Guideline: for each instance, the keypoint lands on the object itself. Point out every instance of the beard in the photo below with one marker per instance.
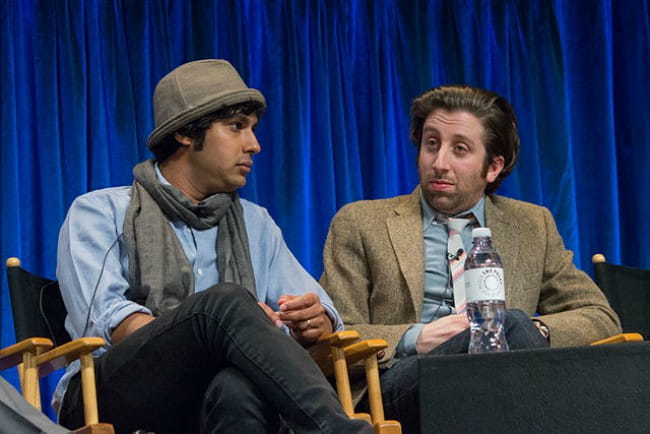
(446, 203)
(450, 203)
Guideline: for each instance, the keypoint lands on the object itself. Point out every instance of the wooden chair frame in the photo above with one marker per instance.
(37, 357)
(333, 353)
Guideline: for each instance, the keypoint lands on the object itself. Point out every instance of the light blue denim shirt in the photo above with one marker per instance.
(438, 292)
(92, 265)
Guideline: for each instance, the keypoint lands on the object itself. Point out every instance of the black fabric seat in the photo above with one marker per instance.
(30, 294)
(39, 314)
(628, 291)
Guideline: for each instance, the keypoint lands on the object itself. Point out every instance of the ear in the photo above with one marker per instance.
(183, 140)
(494, 168)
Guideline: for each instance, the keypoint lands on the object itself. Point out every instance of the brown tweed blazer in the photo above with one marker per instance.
(374, 270)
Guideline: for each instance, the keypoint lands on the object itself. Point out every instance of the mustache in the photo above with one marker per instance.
(441, 179)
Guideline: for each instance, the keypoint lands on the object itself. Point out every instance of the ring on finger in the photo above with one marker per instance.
(309, 323)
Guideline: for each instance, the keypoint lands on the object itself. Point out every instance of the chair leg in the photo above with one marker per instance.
(342, 380)
(29, 380)
(88, 389)
(343, 384)
(374, 389)
(380, 425)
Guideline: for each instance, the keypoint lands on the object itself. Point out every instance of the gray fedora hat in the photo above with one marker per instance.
(196, 89)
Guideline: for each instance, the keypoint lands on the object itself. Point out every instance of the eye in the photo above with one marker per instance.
(432, 143)
(460, 148)
(237, 125)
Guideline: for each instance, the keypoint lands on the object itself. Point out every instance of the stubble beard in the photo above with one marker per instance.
(445, 203)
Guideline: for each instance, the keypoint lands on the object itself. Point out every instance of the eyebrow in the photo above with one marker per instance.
(250, 118)
(455, 137)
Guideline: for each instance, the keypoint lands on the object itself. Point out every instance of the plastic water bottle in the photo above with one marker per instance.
(485, 292)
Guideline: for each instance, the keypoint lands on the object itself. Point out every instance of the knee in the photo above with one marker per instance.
(522, 332)
(517, 316)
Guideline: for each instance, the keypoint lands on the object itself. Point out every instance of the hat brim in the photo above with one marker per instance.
(221, 100)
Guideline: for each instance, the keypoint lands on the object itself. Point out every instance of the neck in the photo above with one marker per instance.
(177, 175)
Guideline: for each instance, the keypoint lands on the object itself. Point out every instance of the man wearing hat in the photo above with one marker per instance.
(194, 289)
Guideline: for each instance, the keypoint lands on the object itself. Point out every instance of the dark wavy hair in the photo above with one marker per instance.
(196, 129)
(494, 112)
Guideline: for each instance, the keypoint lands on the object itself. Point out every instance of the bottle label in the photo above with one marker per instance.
(484, 284)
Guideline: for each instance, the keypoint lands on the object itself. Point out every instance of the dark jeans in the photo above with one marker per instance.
(214, 364)
(399, 383)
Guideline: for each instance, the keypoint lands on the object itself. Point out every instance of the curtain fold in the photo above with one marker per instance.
(76, 79)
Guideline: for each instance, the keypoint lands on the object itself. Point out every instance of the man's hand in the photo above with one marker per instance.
(273, 316)
(439, 331)
(305, 316)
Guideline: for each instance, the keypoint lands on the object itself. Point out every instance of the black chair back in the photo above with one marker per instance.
(37, 306)
(628, 291)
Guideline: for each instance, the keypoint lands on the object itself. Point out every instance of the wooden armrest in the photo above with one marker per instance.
(26, 352)
(98, 428)
(13, 355)
(65, 354)
(363, 349)
(620, 338)
(321, 351)
(340, 338)
(354, 352)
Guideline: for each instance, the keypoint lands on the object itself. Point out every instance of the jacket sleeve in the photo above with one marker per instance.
(570, 303)
(348, 277)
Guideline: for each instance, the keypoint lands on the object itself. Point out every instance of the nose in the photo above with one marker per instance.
(440, 162)
(252, 145)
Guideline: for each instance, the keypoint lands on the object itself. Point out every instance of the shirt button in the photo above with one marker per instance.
(199, 272)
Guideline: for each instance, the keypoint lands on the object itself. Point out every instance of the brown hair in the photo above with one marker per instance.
(494, 112)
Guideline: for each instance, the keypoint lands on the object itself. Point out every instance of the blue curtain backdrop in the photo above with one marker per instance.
(76, 78)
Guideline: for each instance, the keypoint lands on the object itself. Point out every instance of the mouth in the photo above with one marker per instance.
(246, 166)
(441, 185)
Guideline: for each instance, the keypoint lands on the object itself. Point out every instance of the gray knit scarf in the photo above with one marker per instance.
(160, 276)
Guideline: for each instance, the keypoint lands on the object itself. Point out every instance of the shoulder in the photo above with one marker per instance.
(106, 200)
(376, 208)
(514, 206)
(255, 212)
(259, 223)
(518, 216)
(97, 212)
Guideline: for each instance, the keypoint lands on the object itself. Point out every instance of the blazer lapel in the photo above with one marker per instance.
(505, 240)
(406, 237)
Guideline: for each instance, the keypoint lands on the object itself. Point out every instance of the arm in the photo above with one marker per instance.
(130, 324)
(288, 293)
(368, 291)
(91, 266)
(570, 304)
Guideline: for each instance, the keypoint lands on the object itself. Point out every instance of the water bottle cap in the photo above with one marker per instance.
(481, 232)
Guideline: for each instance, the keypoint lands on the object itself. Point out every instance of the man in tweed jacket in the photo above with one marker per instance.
(385, 286)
